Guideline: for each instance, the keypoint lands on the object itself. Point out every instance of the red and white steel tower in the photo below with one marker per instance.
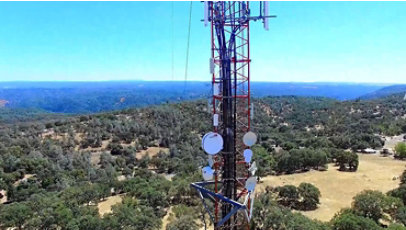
(230, 176)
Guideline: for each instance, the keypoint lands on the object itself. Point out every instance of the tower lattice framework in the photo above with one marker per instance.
(231, 79)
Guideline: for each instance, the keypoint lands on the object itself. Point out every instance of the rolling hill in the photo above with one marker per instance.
(68, 167)
(386, 91)
(94, 97)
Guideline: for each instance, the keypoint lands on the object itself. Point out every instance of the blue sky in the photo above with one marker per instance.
(97, 41)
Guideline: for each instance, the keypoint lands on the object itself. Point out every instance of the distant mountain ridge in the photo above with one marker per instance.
(385, 91)
(95, 97)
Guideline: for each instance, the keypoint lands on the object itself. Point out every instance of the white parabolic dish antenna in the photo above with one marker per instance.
(248, 155)
(251, 183)
(249, 139)
(212, 143)
(207, 173)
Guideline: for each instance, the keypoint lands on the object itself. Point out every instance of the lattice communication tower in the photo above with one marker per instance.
(229, 182)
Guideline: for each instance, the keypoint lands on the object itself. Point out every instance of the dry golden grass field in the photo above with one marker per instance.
(105, 206)
(338, 188)
(151, 152)
(168, 218)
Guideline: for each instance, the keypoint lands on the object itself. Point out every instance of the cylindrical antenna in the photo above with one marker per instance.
(252, 111)
(206, 13)
(266, 14)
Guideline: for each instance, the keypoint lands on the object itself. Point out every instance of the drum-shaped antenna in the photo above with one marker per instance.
(212, 143)
(248, 155)
(249, 139)
(251, 183)
(207, 173)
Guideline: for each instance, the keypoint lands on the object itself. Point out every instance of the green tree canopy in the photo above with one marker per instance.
(369, 204)
(400, 150)
(346, 220)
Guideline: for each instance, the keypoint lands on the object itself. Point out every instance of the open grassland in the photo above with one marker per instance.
(338, 188)
(106, 205)
(151, 152)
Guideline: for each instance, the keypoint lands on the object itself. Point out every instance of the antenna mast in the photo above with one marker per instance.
(228, 145)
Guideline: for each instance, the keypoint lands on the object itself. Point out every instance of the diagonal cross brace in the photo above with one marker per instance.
(232, 212)
(204, 192)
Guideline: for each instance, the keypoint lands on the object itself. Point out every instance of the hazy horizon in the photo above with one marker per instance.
(191, 81)
(103, 41)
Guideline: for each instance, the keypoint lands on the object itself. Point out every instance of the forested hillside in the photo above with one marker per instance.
(385, 91)
(94, 97)
(55, 174)
(16, 115)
